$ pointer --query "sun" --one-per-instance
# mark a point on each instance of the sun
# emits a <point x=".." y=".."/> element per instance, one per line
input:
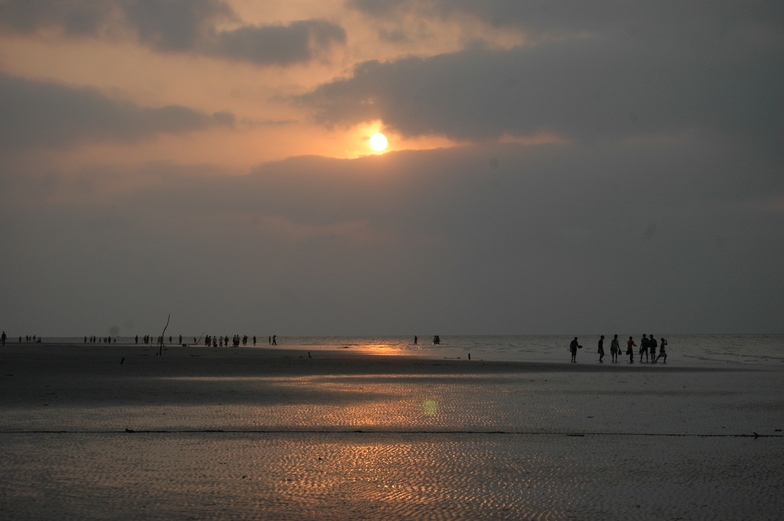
<point x="378" y="142"/>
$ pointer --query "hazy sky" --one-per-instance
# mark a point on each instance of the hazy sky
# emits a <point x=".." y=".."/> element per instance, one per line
<point x="553" y="166"/>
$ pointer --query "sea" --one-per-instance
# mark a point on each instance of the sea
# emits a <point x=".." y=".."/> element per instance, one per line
<point x="764" y="350"/>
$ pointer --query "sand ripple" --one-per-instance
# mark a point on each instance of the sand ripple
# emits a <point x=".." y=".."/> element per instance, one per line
<point x="388" y="476"/>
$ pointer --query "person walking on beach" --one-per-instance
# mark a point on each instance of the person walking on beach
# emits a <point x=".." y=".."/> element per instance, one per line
<point x="601" y="349"/>
<point x="3" y="337"/>
<point x="652" y="348"/>
<point x="615" y="348"/>
<point x="630" y="345"/>
<point x="415" y="339"/>
<point x="573" y="347"/>
<point x="662" y="352"/>
<point x="274" y="340"/>
<point x="644" y="348"/>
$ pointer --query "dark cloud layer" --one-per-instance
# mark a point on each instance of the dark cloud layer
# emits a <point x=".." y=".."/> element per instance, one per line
<point x="175" y="26"/>
<point x="162" y="24"/>
<point x="607" y="69"/>
<point x="35" y="113"/>
<point x="479" y="239"/>
<point x="547" y="16"/>
<point x="579" y="88"/>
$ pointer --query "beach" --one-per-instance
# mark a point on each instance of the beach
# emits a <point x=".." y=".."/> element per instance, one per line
<point x="118" y="432"/>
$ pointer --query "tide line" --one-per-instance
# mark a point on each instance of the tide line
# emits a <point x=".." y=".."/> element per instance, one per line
<point x="129" y="431"/>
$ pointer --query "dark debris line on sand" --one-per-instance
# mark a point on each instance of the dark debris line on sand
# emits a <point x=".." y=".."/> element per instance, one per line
<point x="355" y="431"/>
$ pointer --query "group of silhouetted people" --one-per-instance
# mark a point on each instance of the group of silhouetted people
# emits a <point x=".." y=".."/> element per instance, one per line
<point x="34" y="339"/>
<point x="648" y="347"/>
<point x="235" y="341"/>
<point x="220" y="341"/>
<point x="100" y="340"/>
<point x="28" y="338"/>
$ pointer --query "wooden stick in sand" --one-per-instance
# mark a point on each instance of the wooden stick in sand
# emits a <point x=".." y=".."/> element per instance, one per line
<point x="160" y="349"/>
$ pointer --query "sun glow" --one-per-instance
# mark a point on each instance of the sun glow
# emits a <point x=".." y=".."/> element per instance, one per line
<point x="378" y="142"/>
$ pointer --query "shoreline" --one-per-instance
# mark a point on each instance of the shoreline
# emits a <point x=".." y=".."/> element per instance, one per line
<point x="139" y="360"/>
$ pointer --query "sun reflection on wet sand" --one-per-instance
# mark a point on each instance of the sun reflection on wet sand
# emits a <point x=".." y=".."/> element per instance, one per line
<point x="381" y="476"/>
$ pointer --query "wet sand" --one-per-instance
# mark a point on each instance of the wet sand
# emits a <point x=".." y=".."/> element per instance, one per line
<point x="116" y="432"/>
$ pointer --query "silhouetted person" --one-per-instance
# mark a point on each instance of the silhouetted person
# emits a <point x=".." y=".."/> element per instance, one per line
<point x="254" y="340"/>
<point x="415" y="339"/>
<point x="2" y="338"/>
<point x="601" y="349"/>
<point x="274" y="340"/>
<point x="180" y="339"/>
<point x="662" y="352"/>
<point x="615" y="348"/>
<point x="630" y="345"/>
<point x="652" y="349"/>
<point x="644" y="347"/>
<point x="573" y="347"/>
<point x="437" y="340"/>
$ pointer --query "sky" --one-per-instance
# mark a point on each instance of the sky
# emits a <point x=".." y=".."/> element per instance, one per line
<point x="554" y="167"/>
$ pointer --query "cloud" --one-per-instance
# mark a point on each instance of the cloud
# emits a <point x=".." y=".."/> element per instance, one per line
<point x="602" y="87"/>
<point x="36" y="113"/>
<point x="574" y="16"/>
<point x="378" y="8"/>
<point x="74" y="18"/>
<point x="279" y="45"/>
<point x="176" y="26"/>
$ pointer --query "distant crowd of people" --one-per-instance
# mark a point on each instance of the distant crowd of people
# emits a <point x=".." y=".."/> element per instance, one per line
<point x="220" y="341"/>
<point x="100" y="340"/>
<point x="648" y="347"/>
<point x="27" y="338"/>
<point x="215" y="341"/>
